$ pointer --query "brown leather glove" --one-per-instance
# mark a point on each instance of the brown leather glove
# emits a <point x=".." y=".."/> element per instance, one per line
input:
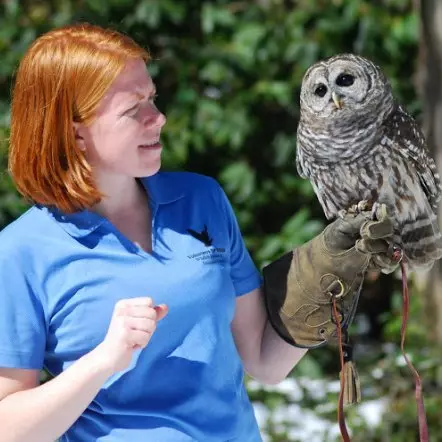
<point x="298" y="287"/>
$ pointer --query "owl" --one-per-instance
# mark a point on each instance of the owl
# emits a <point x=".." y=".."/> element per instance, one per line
<point x="356" y="143"/>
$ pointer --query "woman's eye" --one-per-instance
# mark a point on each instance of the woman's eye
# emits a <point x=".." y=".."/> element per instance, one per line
<point x="133" y="110"/>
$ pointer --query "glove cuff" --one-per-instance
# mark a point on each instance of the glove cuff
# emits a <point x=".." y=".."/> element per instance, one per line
<point x="275" y="292"/>
<point x="299" y="288"/>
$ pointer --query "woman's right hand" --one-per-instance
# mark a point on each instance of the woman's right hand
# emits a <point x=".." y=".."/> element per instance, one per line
<point x="134" y="320"/>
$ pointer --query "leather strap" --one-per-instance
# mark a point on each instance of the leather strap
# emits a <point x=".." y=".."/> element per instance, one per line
<point x="341" y="416"/>
<point x="422" y="418"/>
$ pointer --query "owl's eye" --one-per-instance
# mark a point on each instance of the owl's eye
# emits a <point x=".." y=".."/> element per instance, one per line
<point x="345" y="80"/>
<point x="321" y="90"/>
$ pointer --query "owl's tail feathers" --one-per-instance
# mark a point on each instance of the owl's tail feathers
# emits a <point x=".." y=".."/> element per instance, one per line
<point x="421" y="240"/>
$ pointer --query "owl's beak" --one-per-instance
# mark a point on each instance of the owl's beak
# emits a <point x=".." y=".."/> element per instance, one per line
<point x="337" y="100"/>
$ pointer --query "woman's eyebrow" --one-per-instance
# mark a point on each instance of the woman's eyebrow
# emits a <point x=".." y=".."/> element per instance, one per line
<point x="140" y="96"/>
<point x="128" y="102"/>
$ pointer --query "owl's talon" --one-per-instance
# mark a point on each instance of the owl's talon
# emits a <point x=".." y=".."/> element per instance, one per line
<point x="374" y="210"/>
<point x="358" y="208"/>
<point x="353" y="209"/>
<point x="342" y="213"/>
<point x="362" y="206"/>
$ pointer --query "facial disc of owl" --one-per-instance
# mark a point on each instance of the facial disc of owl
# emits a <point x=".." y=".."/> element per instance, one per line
<point x="340" y="86"/>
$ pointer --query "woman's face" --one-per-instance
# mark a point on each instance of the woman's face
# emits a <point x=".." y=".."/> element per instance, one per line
<point x="124" y="139"/>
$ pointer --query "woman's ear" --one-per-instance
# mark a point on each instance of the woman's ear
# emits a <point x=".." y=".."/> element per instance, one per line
<point x="79" y="139"/>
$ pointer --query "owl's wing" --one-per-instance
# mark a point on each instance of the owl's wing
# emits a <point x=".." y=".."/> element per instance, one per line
<point x="407" y="138"/>
<point x="299" y="162"/>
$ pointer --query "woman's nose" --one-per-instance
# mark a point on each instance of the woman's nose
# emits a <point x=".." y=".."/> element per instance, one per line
<point x="153" y="117"/>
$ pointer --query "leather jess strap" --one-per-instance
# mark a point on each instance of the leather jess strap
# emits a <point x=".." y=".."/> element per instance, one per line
<point x="422" y="419"/>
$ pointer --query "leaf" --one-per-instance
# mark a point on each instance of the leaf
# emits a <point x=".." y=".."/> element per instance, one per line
<point x="239" y="180"/>
<point x="213" y="16"/>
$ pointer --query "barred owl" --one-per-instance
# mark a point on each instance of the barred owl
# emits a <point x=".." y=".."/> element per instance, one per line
<point x="355" y="142"/>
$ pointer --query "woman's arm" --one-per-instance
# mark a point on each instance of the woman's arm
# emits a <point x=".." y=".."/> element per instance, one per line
<point x="43" y="413"/>
<point x="266" y="356"/>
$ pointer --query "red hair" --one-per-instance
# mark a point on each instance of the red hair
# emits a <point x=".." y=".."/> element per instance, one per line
<point x="60" y="80"/>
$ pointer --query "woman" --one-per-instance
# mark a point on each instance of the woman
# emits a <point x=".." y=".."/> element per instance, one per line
<point x="131" y="286"/>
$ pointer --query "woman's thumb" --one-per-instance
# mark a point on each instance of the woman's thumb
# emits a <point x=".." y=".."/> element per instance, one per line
<point x="161" y="310"/>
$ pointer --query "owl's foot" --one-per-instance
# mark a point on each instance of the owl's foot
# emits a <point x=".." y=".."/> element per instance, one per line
<point x="361" y="206"/>
<point x="375" y="208"/>
<point x="342" y="213"/>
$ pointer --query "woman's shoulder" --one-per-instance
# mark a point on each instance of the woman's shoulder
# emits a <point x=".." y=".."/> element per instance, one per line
<point x="24" y="231"/>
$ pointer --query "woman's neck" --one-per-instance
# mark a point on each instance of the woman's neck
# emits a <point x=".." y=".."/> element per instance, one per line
<point x="121" y="196"/>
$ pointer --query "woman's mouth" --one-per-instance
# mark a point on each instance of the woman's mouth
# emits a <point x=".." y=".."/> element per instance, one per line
<point x="152" y="146"/>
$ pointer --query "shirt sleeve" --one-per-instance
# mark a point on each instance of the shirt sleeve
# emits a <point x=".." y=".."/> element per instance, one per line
<point x="244" y="273"/>
<point x="22" y="319"/>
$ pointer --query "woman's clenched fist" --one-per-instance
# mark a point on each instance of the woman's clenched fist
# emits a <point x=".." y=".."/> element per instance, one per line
<point x="133" y="323"/>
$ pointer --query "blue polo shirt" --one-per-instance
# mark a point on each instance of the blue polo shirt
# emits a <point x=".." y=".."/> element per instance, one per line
<point x="61" y="275"/>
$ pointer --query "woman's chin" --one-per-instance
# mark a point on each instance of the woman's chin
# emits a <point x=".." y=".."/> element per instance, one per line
<point x="151" y="169"/>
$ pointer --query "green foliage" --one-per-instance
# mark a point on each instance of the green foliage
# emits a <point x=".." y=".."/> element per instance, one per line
<point x="228" y="75"/>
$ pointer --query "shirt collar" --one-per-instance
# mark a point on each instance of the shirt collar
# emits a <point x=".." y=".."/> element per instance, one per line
<point x="82" y="223"/>
<point x="161" y="190"/>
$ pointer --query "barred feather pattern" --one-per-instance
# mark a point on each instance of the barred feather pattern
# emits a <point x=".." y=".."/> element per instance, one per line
<point x="372" y="150"/>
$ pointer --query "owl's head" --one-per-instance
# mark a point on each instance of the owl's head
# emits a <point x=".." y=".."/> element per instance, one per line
<point x="343" y="86"/>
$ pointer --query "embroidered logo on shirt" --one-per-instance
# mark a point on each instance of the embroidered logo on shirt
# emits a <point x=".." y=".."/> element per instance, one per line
<point x="211" y="254"/>
<point x="202" y="236"/>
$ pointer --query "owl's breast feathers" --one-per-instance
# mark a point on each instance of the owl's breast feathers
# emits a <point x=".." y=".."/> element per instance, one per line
<point x="345" y="184"/>
<point x="327" y="142"/>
